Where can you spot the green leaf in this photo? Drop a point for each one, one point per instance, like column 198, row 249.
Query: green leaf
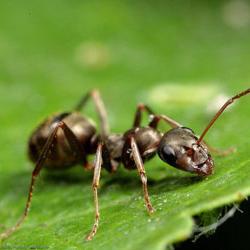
column 54, row 52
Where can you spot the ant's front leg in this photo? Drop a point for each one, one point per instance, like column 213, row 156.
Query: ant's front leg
column 138, row 114
column 157, row 118
column 141, row 170
column 174, row 124
column 46, row 151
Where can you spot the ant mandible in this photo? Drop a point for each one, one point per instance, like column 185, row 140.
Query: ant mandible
column 178, row 147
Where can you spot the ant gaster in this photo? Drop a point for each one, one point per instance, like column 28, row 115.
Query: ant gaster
column 178, row 147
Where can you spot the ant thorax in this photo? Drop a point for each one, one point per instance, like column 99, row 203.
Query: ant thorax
column 147, row 140
column 114, row 144
column 179, row 148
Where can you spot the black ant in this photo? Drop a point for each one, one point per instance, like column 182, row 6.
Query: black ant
column 56, row 148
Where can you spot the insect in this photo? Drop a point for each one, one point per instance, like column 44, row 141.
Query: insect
column 178, row 147
column 61, row 141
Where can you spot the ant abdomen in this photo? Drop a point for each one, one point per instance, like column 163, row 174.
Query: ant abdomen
column 63, row 155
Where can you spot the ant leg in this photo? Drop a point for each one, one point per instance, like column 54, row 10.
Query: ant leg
column 77, row 149
column 142, row 173
column 138, row 114
column 82, row 102
column 154, row 124
column 46, row 151
column 44, row 155
column 217, row 115
column 95, row 185
column 157, row 118
column 100, row 109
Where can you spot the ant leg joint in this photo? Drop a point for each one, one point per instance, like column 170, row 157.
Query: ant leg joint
column 141, row 106
column 95, row 185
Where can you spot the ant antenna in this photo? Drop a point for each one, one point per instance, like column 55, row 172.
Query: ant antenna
column 230, row 101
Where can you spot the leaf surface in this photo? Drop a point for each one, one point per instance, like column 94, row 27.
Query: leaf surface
column 53, row 52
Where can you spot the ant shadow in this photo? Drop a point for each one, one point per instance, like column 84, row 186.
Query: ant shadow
column 18, row 182
column 131, row 182
column 68, row 177
column 121, row 181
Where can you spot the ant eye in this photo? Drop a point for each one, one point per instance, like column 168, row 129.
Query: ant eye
column 167, row 154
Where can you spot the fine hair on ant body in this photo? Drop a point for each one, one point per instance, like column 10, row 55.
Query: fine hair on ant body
column 67, row 139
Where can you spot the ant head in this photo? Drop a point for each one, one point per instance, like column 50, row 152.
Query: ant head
column 179, row 148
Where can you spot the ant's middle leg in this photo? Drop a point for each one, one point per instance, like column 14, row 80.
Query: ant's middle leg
column 95, row 185
column 100, row 108
column 142, row 173
column 46, row 151
column 102, row 158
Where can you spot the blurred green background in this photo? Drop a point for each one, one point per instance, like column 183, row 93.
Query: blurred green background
column 176, row 56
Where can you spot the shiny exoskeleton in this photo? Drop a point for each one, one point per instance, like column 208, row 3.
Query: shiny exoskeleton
column 179, row 148
column 61, row 141
column 65, row 154
column 68, row 138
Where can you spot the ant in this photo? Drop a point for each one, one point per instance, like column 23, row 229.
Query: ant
column 179, row 147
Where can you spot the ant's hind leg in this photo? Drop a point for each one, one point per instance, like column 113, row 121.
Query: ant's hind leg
column 95, row 185
column 100, row 109
column 142, row 173
column 46, row 151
